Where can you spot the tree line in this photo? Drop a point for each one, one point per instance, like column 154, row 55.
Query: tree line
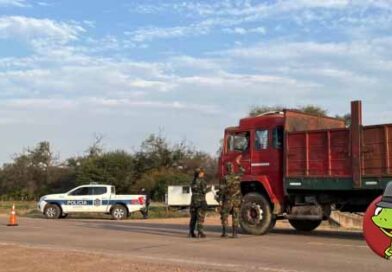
column 154, row 166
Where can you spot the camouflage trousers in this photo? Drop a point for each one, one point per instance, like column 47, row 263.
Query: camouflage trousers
column 230, row 207
column 198, row 215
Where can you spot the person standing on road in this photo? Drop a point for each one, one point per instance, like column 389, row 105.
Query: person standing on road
column 198, row 204
column 230, row 197
column 147, row 195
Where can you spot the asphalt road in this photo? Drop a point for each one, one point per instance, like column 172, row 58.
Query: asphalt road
column 166, row 242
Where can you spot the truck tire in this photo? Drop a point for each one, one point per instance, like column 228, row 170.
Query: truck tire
column 52, row 211
column 305, row 225
column 119, row 212
column 256, row 215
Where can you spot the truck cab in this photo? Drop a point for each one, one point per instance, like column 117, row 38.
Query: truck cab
column 259, row 141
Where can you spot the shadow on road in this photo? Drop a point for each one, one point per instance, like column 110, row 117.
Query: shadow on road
column 173, row 230
column 346, row 235
column 181, row 230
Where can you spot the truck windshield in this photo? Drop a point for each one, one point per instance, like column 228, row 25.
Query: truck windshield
column 238, row 142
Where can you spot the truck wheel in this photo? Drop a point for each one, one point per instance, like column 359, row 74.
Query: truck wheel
column 256, row 216
column 305, row 225
column 52, row 211
column 119, row 212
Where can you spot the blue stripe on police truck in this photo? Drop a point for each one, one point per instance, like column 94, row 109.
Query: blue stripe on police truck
column 91, row 202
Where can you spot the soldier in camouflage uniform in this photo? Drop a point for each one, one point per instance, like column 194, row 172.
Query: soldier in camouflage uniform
column 198, row 204
column 230, row 198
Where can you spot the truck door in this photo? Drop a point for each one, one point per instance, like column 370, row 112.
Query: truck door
column 100, row 198
column 267, row 155
column 77, row 200
column 237, row 143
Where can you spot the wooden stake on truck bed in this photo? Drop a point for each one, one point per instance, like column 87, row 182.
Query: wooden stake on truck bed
column 356, row 142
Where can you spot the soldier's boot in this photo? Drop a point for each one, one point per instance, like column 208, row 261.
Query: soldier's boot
column 224, row 235
column 192, row 231
column 201, row 235
column 235, row 232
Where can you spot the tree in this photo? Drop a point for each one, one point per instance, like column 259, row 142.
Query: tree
column 154, row 166
column 257, row 110
column 157, row 180
column 30, row 174
column 116, row 168
column 310, row 109
column 346, row 118
column 154, row 153
column 96, row 148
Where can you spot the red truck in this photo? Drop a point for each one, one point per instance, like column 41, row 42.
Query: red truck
column 298, row 166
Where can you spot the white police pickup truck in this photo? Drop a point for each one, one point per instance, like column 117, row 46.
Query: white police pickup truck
column 92, row 198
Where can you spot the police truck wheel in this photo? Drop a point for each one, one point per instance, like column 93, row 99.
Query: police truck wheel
column 305, row 225
column 52, row 211
column 119, row 212
column 256, row 215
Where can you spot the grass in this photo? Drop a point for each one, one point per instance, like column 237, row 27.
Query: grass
column 22, row 207
column 29, row 209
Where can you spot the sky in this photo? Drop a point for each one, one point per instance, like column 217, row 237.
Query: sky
column 71, row 69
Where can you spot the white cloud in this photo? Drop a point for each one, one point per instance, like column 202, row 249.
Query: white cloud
column 244, row 31
column 15, row 3
column 28, row 29
column 44, row 4
column 235, row 16
column 240, row 81
column 176, row 105
column 94, row 103
column 106, row 78
column 151, row 33
column 243, row 8
column 85, row 84
column 326, row 4
column 37, row 103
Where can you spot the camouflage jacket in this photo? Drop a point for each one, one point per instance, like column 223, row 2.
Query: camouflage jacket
column 199, row 190
column 230, row 188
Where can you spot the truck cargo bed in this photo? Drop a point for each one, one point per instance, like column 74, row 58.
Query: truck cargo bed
column 323, row 159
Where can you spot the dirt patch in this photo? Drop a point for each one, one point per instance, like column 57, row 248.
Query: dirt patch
column 16, row 258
